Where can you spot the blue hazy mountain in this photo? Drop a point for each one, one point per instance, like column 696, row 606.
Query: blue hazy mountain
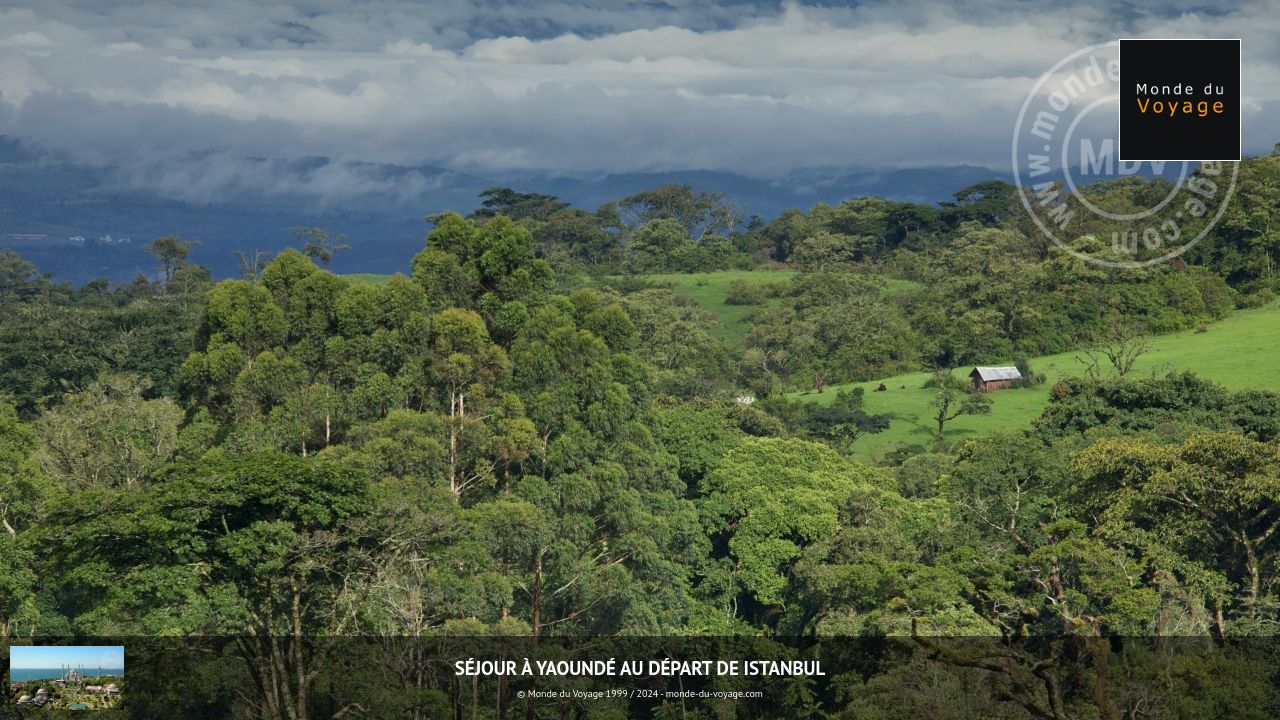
column 81, row 221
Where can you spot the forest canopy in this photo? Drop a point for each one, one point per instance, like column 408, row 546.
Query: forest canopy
column 527, row 434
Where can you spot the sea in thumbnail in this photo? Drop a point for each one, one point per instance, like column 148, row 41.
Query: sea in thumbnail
column 26, row 674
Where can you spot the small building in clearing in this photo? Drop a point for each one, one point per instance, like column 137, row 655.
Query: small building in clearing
column 986, row 379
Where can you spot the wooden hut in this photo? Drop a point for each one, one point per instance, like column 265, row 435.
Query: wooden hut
column 986, row 379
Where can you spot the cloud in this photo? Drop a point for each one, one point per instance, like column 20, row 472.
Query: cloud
column 756, row 88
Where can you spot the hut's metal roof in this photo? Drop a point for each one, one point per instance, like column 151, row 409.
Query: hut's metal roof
column 996, row 373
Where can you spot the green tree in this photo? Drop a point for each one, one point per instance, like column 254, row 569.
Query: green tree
column 879, row 572
column 466, row 363
column 466, row 266
column 825, row 251
column 844, row 421
column 22, row 486
column 19, row 279
column 318, row 244
column 246, row 314
column 406, row 444
column 517, row 205
column 1038, row 576
column 269, row 548
column 1246, row 242
column 951, row 401
column 673, row 335
column 23, row 492
column 987, row 202
column 697, row 212
column 108, row 435
column 769, row 498
column 1210, row 502
column 18, row 585
column 655, row 245
column 1174, row 401
column 52, row 344
column 1121, row 342
column 171, row 251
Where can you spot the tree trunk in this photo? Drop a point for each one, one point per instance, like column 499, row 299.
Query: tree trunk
column 300, row 668
column 1100, row 648
column 536, row 596
column 1251, row 567
column 1219, row 633
column 457, row 413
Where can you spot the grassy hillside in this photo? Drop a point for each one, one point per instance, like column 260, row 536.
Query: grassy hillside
column 709, row 290
column 1238, row 352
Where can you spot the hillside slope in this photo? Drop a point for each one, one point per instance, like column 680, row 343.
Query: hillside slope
column 1238, row 352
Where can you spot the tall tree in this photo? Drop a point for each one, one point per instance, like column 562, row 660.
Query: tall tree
column 954, row 400
column 698, row 212
column 23, row 487
column 108, row 435
column 1212, row 501
column 268, row 548
column 318, row 244
column 517, row 205
column 171, row 251
column 467, row 364
column 769, row 498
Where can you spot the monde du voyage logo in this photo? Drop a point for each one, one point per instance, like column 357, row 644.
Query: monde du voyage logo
column 1165, row 110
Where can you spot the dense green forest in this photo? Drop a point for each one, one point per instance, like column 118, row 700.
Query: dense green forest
column 530, row 434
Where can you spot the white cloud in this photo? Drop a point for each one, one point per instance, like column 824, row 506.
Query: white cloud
column 558, row 85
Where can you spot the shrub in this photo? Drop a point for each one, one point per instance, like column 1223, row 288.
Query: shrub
column 1030, row 378
column 743, row 293
column 1255, row 299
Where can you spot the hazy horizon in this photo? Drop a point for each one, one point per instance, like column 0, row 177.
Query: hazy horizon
column 178, row 94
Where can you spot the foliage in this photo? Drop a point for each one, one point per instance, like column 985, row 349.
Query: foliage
column 951, row 401
column 1159, row 403
column 318, row 244
column 109, row 435
column 497, row 444
column 171, row 251
column 770, row 498
column 59, row 339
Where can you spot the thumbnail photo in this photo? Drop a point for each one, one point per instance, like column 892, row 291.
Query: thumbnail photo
column 66, row 677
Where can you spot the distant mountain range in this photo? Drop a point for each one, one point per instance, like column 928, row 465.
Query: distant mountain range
column 82, row 221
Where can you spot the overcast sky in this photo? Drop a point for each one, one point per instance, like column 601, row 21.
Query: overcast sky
column 753, row 87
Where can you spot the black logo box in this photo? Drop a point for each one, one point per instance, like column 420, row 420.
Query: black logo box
column 1185, row 64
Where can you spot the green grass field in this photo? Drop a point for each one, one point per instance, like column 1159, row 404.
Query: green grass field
column 1238, row 352
column 709, row 290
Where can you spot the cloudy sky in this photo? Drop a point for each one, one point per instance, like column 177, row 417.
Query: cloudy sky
column 760, row 88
